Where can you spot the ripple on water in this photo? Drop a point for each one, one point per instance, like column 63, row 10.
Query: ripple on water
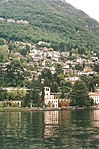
column 49, row 130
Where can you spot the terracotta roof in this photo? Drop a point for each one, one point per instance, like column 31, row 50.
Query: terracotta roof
column 97, row 87
column 94, row 94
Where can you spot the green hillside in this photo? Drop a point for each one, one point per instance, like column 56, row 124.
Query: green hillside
column 54, row 21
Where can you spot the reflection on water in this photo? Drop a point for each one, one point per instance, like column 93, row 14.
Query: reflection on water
column 51, row 119
column 77, row 129
column 95, row 118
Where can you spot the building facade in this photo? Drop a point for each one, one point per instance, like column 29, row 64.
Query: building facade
column 50, row 100
column 95, row 97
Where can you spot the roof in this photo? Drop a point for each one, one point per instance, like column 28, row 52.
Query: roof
column 94, row 94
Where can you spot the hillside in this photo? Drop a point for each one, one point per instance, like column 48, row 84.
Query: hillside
column 54, row 21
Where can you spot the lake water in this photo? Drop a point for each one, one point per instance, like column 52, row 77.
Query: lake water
column 77, row 129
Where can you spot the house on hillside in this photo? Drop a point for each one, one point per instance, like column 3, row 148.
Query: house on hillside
column 72, row 79
column 10, row 21
column 66, row 69
column 22, row 21
column 1, row 19
column 87, row 71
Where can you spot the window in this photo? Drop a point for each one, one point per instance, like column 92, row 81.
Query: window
column 47, row 89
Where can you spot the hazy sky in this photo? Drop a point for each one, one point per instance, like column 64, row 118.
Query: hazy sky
column 91, row 7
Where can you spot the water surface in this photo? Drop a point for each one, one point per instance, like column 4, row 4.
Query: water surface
column 77, row 129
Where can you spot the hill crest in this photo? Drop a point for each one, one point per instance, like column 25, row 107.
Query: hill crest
column 53, row 21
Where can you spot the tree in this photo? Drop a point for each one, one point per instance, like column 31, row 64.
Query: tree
column 3, row 57
column 58, row 69
column 42, row 94
column 26, row 101
column 66, row 86
column 2, row 75
column 14, row 73
column 96, row 67
column 3, row 94
column 2, row 41
column 28, row 48
column 11, row 47
column 79, row 94
column 46, row 74
column 31, row 98
column 79, row 67
column 61, row 46
column 35, row 97
column 62, row 94
column 34, row 84
column 21, row 93
column 90, row 82
column 24, row 52
column 96, row 79
column 54, row 87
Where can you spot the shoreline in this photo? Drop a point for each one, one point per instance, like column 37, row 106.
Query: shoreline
column 12, row 109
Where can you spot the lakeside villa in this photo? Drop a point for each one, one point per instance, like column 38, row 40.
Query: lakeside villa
column 95, row 97
column 51, row 100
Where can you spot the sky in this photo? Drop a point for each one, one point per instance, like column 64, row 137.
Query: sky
column 90, row 7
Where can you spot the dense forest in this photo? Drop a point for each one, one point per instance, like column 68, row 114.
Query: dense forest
column 54, row 21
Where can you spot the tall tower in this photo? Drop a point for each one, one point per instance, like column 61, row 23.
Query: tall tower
column 47, row 91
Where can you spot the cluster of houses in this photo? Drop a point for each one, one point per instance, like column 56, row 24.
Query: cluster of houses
column 48, row 58
column 44, row 53
column 55, row 58
column 15, row 21
column 45, row 57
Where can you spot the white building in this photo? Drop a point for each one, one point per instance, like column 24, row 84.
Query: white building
column 79, row 60
column 22, row 21
column 56, row 55
column 10, row 21
column 72, row 79
column 49, row 99
column 95, row 97
column 2, row 19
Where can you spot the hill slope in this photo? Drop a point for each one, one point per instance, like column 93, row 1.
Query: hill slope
column 54, row 21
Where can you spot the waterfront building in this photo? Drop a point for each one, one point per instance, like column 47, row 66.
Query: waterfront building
column 10, row 103
column 53, row 100
column 50, row 99
column 95, row 97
